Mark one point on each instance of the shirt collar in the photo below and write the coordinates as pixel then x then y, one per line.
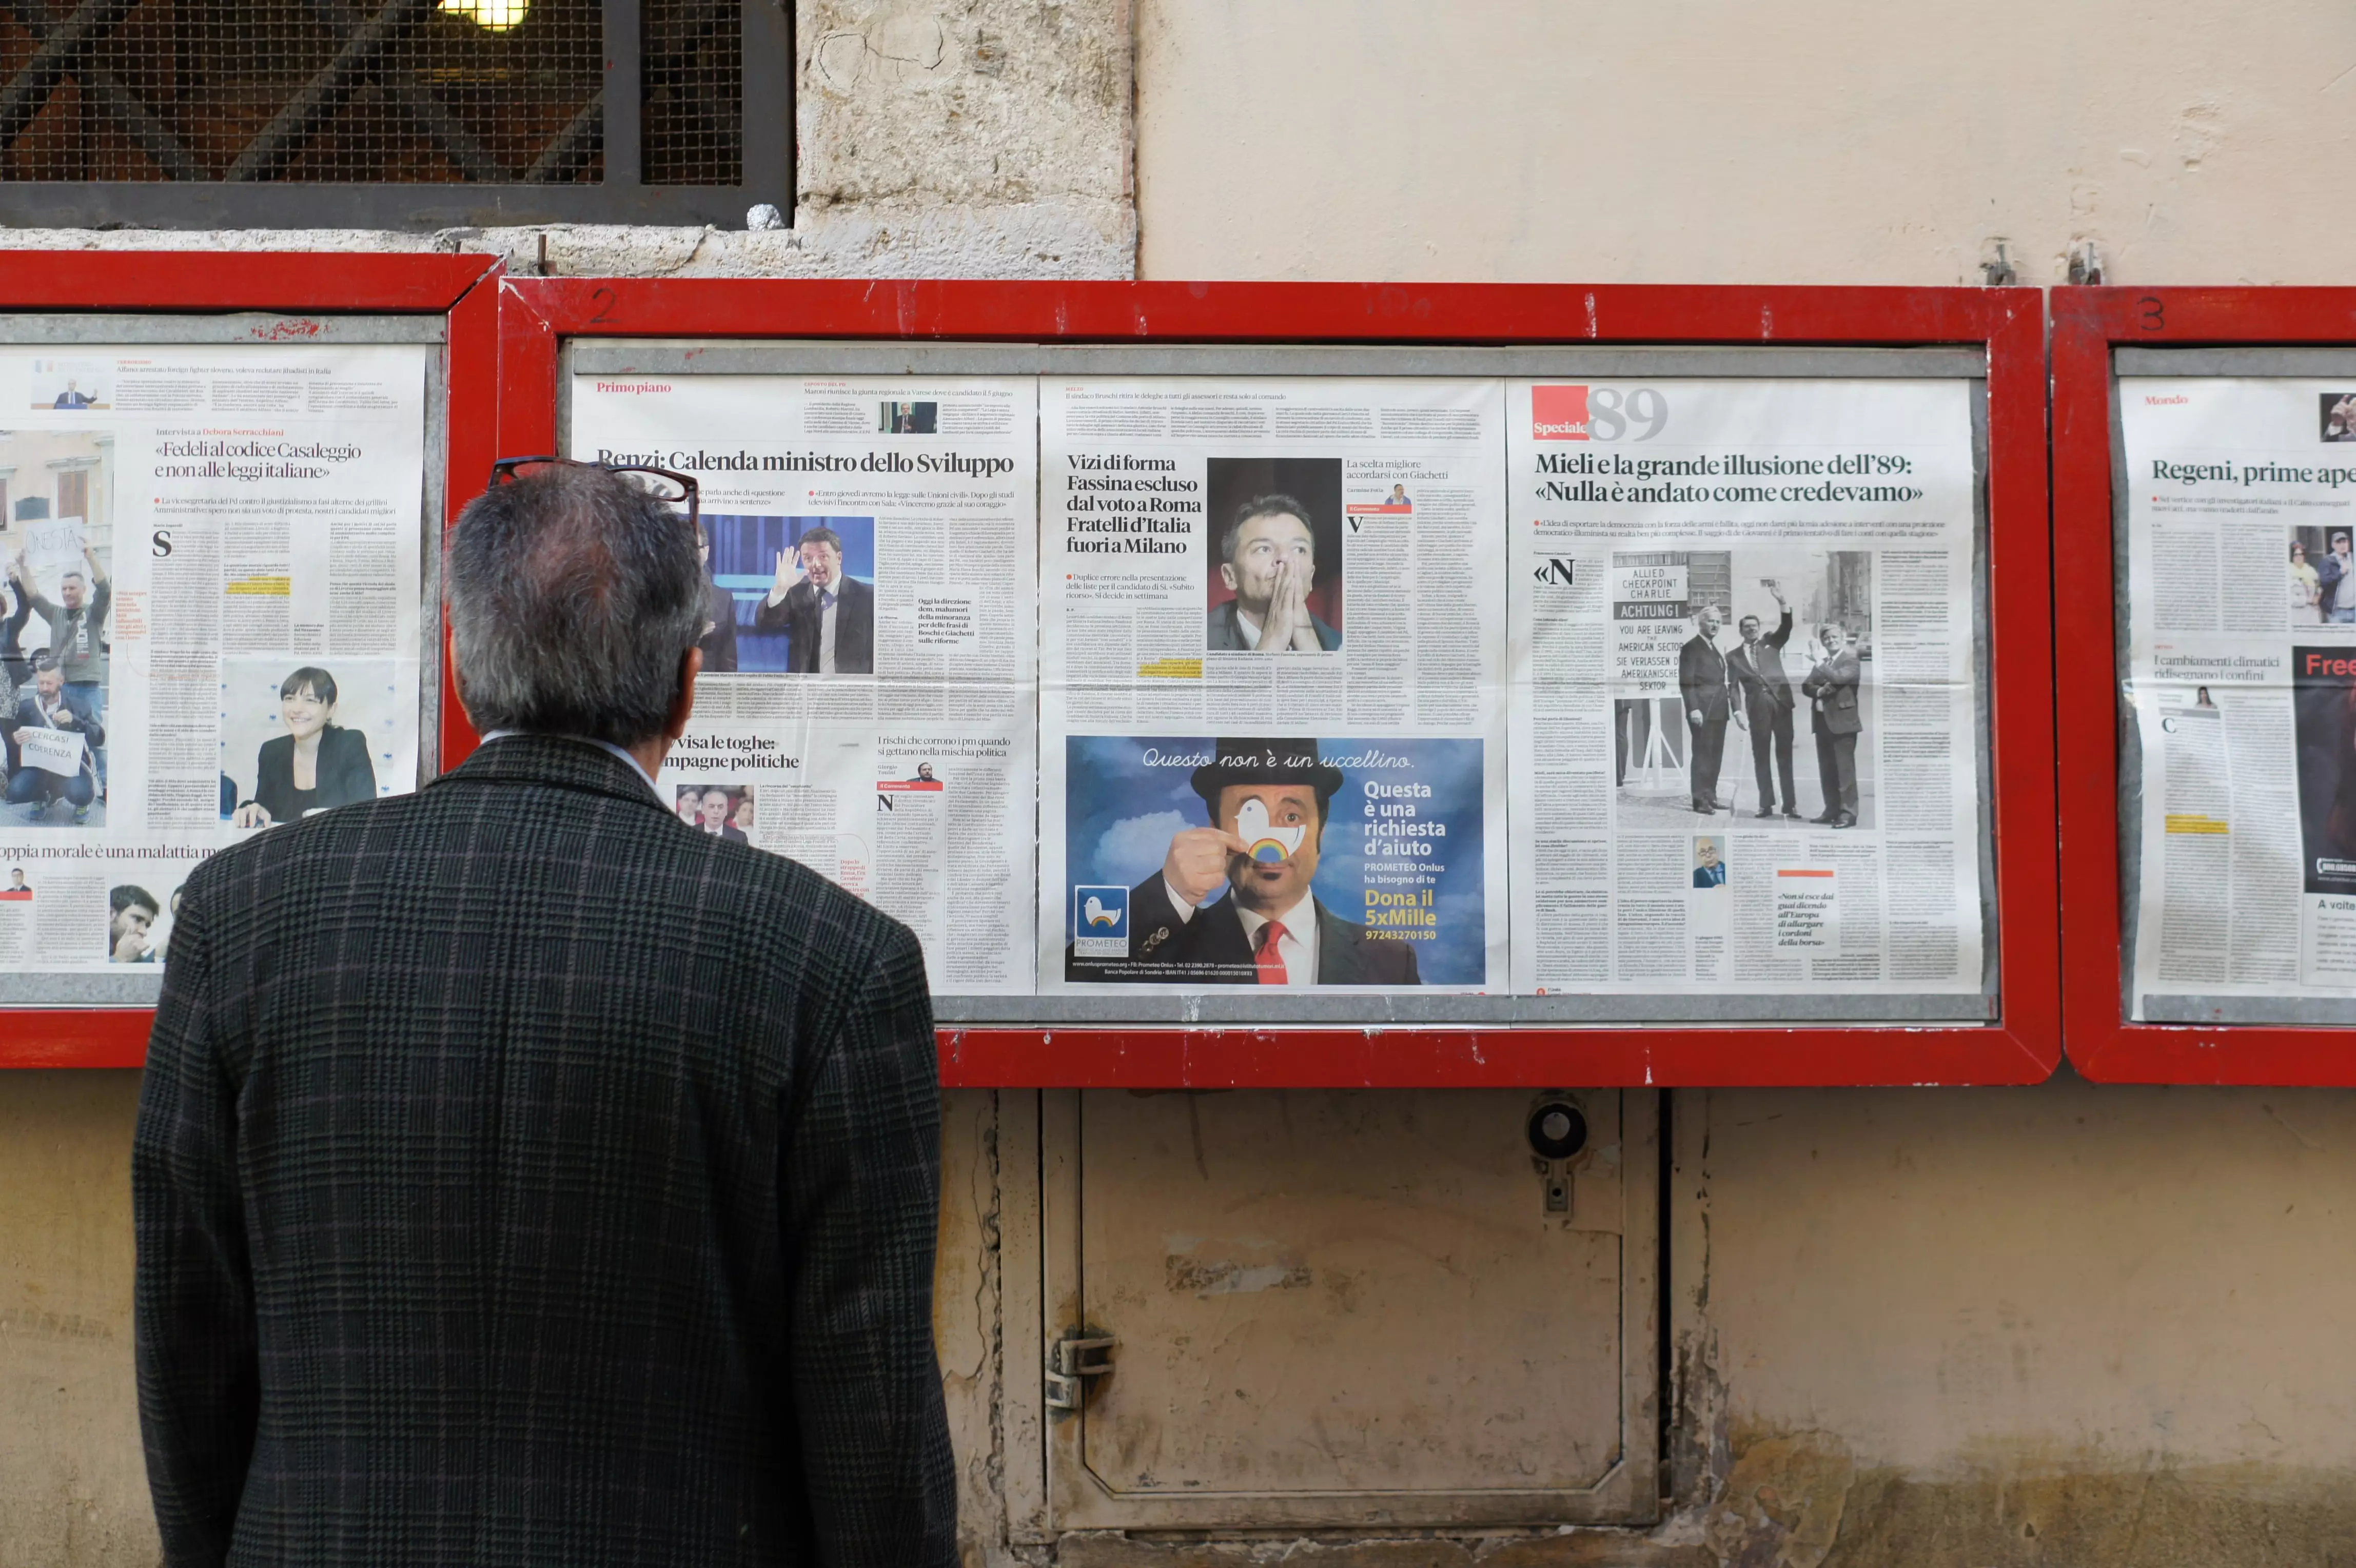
pixel 635 766
pixel 1297 920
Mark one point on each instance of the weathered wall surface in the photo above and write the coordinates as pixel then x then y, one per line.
pixel 1821 140
pixel 2075 1324
pixel 73 1485
pixel 935 138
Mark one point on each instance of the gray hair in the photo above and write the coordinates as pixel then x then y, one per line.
pixel 574 595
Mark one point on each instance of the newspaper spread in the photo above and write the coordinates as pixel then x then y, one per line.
pixel 867 705
pixel 1744 721
pixel 1271 708
pixel 2241 679
pixel 212 566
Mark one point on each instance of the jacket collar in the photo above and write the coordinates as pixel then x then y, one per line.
pixel 557 760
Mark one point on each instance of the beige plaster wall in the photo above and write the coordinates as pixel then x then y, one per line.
pixel 1722 141
pixel 2130 1275
pixel 2075 1323
pixel 73 1485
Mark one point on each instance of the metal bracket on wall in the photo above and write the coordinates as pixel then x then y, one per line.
pixel 1078 1356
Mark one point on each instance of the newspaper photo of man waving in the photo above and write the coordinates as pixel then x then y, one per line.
pixel 1763 702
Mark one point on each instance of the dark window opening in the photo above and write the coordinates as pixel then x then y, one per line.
pixel 198 113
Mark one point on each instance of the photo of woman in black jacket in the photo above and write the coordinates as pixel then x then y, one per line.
pixel 315 765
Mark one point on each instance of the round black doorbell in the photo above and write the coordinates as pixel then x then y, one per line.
pixel 1557 1129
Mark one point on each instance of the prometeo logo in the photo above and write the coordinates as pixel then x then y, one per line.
pixel 1557 414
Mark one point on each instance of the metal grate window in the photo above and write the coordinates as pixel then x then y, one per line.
pixel 203 112
pixel 694 98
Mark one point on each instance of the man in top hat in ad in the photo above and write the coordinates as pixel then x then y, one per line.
pixel 1268 802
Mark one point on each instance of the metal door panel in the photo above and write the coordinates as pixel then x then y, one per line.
pixel 1349 1307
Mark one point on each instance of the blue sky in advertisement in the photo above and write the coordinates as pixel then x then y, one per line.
pixel 1126 795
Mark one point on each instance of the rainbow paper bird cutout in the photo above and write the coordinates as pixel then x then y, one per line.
pixel 1263 841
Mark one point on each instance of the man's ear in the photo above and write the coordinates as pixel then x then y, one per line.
pixel 682 707
pixel 1228 575
pixel 457 676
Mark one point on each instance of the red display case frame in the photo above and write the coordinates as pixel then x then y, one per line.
pixel 293 286
pixel 2088 324
pixel 537 313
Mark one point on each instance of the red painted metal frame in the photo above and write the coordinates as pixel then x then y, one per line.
pixel 286 284
pixel 2088 323
pixel 537 313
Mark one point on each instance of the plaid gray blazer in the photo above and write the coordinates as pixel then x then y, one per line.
pixel 523 1177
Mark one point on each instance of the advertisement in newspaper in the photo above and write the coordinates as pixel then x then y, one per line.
pixel 2241 679
pixel 209 625
pixel 1272 703
pixel 867 705
pixel 1743 688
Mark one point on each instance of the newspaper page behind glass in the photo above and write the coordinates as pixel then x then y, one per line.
pixel 2241 682
pixel 867 705
pixel 1744 716
pixel 212 623
pixel 1271 708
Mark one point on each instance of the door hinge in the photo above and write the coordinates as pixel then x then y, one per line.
pixel 1072 1360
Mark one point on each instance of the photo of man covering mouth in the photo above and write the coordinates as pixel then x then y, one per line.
pixel 1276 560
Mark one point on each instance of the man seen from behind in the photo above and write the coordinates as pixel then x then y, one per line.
pixel 480 1218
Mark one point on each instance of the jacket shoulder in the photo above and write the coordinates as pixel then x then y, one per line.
pixel 1378 959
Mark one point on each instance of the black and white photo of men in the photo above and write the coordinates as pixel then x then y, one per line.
pixel 1763 702
pixel 1748 624
pixel 1701 682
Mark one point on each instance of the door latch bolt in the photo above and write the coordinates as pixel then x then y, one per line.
pixel 1078 1356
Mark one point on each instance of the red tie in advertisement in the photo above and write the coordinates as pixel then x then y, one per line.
pixel 1271 961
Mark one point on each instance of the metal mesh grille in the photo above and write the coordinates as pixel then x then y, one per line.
pixel 694 132
pixel 367 92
